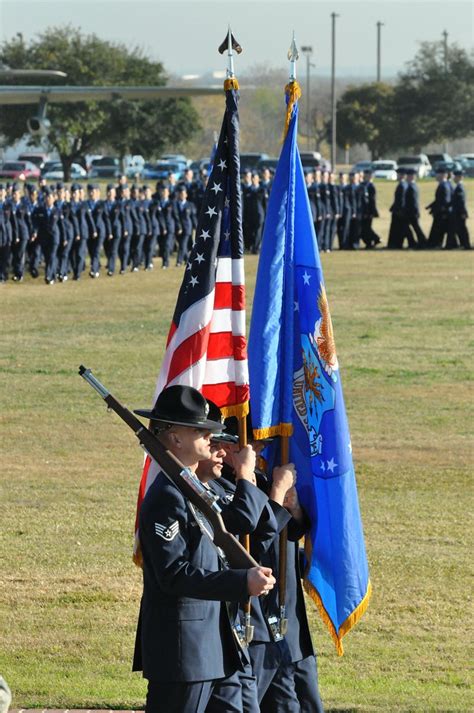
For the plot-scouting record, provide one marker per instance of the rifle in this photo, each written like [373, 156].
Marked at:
[183, 478]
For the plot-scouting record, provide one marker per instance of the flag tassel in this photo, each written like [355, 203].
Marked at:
[348, 624]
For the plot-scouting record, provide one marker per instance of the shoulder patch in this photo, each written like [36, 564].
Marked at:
[167, 532]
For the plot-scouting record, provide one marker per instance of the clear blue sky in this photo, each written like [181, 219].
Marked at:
[184, 34]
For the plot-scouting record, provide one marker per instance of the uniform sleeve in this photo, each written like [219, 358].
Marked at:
[242, 514]
[164, 536]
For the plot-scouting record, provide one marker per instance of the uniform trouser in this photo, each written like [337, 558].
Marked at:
[305, 674]
[166, 243]
[248, 681]
[223, 695]
[367, 233]
[64, 253]
[149, 247]
[50, 252]
[451, 240]
[136, 249]
[5, 253]
[111, 249]
[352, 234]
[439, 229]
[183, 241]
[35, 254]
[274, 671]
[255, 236]
[397, 232]
[78, 256]
[420, 236]
[329, 231]
[124, 251]
[340, 232]
[319, 230]
[95, 246]
[18, 256]
[460, 228]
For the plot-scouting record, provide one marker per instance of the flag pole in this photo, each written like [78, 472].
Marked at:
[230, 44]
[293, 56]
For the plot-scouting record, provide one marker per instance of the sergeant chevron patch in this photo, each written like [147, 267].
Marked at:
[167, 532]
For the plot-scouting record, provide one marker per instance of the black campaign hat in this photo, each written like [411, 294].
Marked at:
[216, 415]
[181, 406]
[232, 426]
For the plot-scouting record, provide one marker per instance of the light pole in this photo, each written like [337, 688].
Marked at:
[333, 93]
[445, 45]
[307, 50]
[379, 48]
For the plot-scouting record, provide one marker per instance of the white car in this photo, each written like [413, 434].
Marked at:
[56, 173]
[385, 169]
[419, 162]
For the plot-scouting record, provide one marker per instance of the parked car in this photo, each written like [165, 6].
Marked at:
[268, 162]
[419, 162]
[249, 161]
[436, 157]
[37, 157]
[19, 170]
[134, 166]
[200, 165]
[160, 170]
[314, 156]
[175, 158]
[467, 163]
[448, 166]
[55, 172]
[105, 167]
[385, 169]
[361, 166]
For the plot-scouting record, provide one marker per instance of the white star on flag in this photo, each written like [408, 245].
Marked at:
[323, 467]
[331, 465]
[199, 258]
[194, 281]
[211, 211]
[222, 164]
[216, 188]
[226, 202]
[227, 235]
[306, 278]
[297, 307]
[205, 235]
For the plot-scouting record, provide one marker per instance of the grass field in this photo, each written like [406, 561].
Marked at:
[69, 592]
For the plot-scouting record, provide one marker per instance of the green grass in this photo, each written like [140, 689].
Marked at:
[69, 592]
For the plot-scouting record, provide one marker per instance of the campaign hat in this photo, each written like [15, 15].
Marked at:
[181, 406]
[215, 414]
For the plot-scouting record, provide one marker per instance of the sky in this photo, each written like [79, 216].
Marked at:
[184, 34]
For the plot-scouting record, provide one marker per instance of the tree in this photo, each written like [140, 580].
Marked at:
[365, 116]
[76, 129]
[434, 98]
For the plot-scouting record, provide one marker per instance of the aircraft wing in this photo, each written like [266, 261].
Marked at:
[56, 95]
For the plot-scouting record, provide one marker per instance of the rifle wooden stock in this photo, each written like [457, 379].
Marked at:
[236, 555]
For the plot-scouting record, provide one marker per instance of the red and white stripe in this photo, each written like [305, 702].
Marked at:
[208, 350]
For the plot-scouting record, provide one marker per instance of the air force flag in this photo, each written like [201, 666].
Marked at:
[295, 387]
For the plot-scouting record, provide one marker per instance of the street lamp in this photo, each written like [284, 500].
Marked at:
[307, 50]
[379, 49]
[333, 93]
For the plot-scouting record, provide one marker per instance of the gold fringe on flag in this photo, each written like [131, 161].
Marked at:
[239, 410]
[293, 91]
[351, 620]
[283, 429]
[231, 83]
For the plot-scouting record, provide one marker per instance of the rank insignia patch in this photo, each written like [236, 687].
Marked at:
[167, 532]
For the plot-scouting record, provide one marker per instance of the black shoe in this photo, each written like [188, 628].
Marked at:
[34, 273]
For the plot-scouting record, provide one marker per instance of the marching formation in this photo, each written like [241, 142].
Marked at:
[60, 226]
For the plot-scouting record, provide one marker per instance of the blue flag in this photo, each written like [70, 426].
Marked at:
[295, 387]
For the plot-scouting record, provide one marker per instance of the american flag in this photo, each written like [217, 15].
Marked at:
[206, 346]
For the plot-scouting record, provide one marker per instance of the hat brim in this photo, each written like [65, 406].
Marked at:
[207, 425]
[224, 438]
